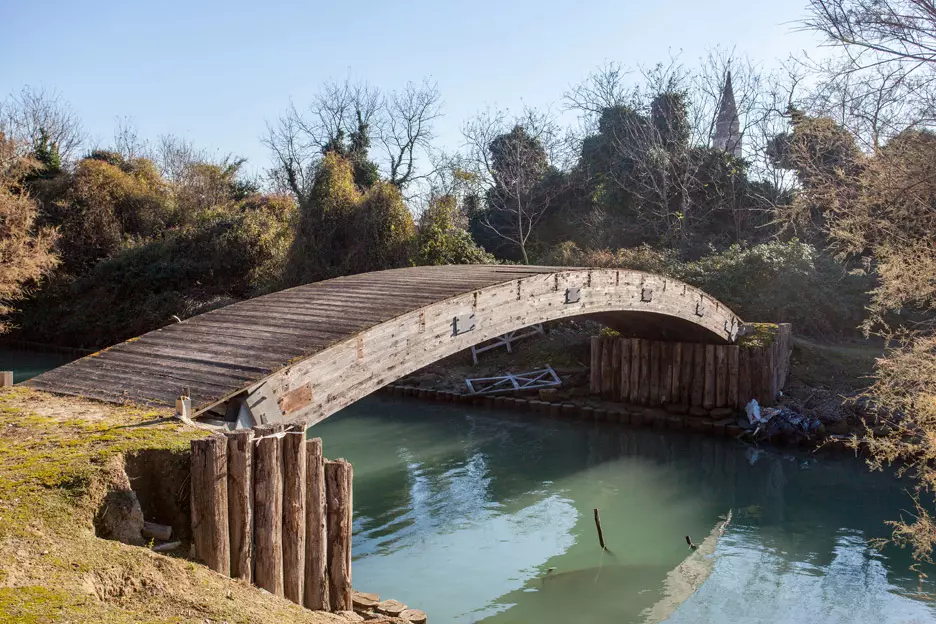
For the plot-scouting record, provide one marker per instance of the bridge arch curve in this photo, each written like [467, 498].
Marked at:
[304, 353]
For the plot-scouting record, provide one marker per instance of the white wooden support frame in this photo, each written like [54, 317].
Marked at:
[534, 380]
[505, 340]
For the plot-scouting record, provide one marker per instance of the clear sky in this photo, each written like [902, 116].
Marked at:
[215, 72]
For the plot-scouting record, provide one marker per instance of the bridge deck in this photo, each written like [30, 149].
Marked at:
[221, 352]
[312, 349]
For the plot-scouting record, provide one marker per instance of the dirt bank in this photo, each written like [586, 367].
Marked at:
[66, 467]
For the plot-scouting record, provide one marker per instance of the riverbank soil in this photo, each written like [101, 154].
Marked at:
[823, 376]
[68, 471]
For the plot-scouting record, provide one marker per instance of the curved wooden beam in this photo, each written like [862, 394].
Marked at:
[304, 353]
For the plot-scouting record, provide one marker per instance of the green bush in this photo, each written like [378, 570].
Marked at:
[225, 257]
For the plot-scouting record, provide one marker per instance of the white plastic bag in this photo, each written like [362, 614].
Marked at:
[753, 412]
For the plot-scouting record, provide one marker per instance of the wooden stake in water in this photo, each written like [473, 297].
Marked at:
[600, 535]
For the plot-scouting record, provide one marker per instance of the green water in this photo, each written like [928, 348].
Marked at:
[26, 364]
[461, 512]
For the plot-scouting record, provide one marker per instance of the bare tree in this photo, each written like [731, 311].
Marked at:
[127, 141]
[604, 88]
[406, 128]
[401, 122]
[511, 160]
[24, 116]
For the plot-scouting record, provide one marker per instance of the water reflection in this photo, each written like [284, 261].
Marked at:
[463, 512]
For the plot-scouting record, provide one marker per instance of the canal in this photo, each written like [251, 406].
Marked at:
[475, 515]
[483, 516]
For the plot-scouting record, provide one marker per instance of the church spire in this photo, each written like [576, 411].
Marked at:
[727, 127]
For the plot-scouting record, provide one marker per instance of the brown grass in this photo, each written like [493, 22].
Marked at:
[57, 459]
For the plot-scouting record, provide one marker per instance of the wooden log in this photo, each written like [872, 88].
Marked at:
[732, 400]
[616, 368]
[721, 375]
[316, 555]
[294, 520]
[338, 478]
[268, 509]
[240, 503]
[755, 367]
[666, 372]
[770, 365]
[643, 389]
[708, 397]
[625, 369]
[634, 390]
[162, 532]
[6, 379]
[656, 348]
[698, 375]
[414, 616]
[744, 376]
[594, 378]
[607, 380]
[686, 374]
[676, 391]
[209, 503]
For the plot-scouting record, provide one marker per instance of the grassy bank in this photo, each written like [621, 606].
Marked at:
[59, 460]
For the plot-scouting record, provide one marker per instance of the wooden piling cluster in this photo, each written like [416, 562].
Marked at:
[269, 509]
[652, 372]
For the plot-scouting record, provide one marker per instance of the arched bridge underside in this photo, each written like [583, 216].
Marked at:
[301, 354]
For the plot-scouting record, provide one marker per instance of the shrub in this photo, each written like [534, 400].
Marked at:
[226, 256]
[442, 240]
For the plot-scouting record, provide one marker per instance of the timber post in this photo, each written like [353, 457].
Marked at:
[268, 511]
[316, 554]
[209, 503]
[240, 502]
[338, 478]
[294, 525]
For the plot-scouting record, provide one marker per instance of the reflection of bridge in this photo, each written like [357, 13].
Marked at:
[306, 352]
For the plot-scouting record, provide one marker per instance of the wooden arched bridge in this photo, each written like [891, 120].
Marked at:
[304, 353]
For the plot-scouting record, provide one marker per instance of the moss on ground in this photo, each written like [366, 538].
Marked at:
[56, 461]
[758, 335]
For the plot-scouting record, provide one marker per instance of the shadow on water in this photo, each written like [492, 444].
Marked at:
[480, 515]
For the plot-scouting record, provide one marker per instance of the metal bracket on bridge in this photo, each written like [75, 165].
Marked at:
[464, 323]
[646, 295]
[700, 309]
[573, 294]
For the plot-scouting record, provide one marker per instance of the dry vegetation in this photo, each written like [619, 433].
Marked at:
[59, 459]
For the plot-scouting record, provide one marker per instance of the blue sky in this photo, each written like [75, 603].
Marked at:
[215, 72]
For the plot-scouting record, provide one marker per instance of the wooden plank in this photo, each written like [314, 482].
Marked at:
[209, 503]
[268, 510]
[685, 382]
[721, 375]
[755, 368]
[338, 488]
[607, 379]
[616, 368]
[634, 390]
[666, 372]
[708, 398]
[656, 348]
[594, 378]
[294, 515]
[644, 388]
[240, 503]
[624, 394]
[698, 375]
[744, 376]
[733, 352]
[316, 591]
[676, 385]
